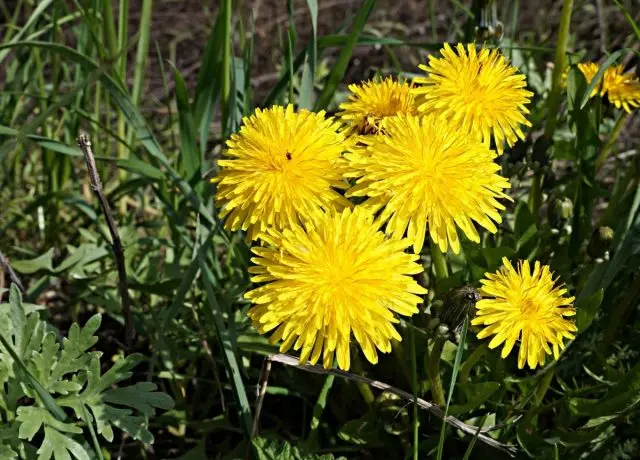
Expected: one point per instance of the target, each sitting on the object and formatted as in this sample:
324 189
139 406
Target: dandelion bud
560 212
600 242
458 304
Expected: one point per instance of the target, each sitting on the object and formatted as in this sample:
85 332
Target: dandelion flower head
323 284
371 103
282 168
526 307
478 91
622 89
424 172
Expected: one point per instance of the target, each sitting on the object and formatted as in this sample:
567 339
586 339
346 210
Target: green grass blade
467 454
627 15
225 68
309 70
135 118
39 11
454 376
214 315
318 409
613 57
142 50
208 84
291 45
283 81
340 67
189 154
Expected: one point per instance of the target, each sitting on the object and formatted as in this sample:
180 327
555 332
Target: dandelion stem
535 197
433 369
365 390
615 133
439 261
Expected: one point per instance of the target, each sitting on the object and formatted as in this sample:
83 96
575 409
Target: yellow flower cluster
416 157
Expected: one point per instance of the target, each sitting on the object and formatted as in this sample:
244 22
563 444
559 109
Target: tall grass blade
225 68
305 99
454 376
595 81
37 13
340 67
142 51
208 84
189 154
214 314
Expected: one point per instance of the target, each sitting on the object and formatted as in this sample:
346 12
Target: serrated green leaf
59 446
141 396
32 418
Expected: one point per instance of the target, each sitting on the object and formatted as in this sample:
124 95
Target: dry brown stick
6 267
261 391
96 184
428 406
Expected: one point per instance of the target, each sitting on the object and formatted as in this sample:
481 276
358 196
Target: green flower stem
439 261
433 369
535 197
606 150
543 386
365 389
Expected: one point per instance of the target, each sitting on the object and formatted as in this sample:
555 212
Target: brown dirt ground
181 29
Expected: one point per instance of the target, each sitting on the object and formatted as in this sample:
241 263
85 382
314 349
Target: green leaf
361 432
587 309
59 446
191 158
140 167
214 315
340 67
113 407
477 394
309 69
623 396
32 418
141 396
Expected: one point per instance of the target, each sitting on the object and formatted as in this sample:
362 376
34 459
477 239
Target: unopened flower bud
458 305
560 212
600 242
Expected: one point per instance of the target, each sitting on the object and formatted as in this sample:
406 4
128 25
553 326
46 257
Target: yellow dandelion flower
282 168
479 92
325 283
423 172
622 89
528 307
372 102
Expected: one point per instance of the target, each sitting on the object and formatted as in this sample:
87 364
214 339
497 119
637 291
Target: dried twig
428 406
96 184
260 392
6 267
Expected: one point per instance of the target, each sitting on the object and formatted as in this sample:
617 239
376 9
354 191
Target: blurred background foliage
159 85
